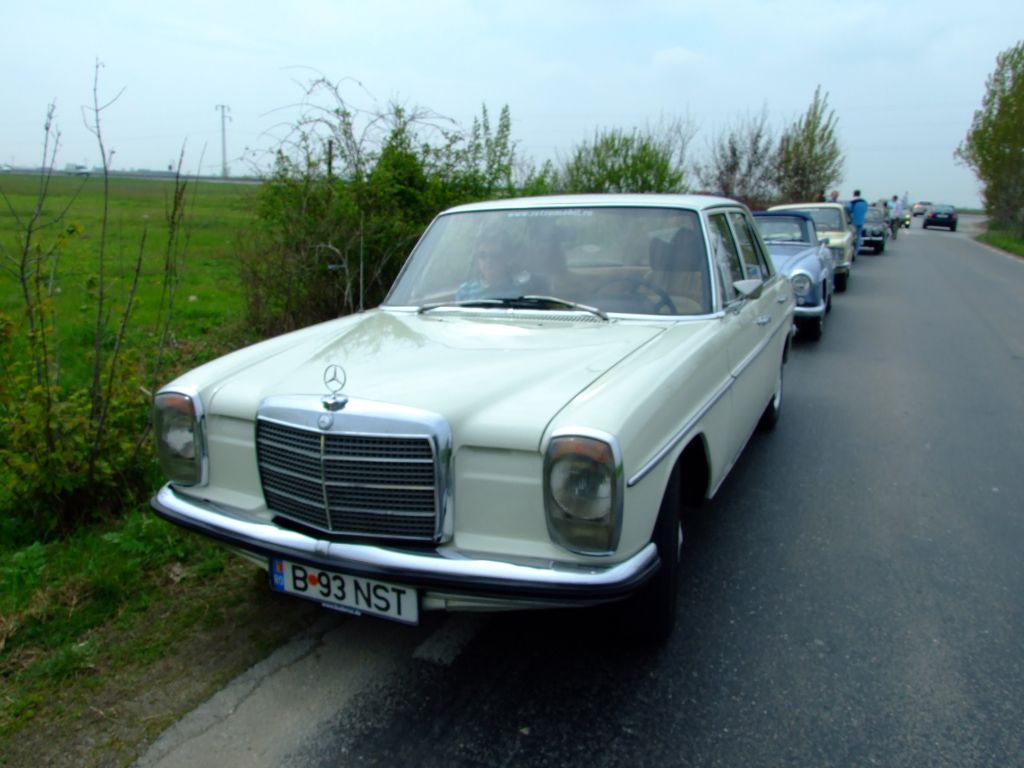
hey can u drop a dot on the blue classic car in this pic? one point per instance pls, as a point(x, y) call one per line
point(798, 252)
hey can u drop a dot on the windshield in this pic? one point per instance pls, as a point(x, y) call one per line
point(626, 260)
point(788, 229)
point(875, 215)
point(825, 219)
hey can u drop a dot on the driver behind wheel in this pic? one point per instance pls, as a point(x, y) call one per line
point(679, 268)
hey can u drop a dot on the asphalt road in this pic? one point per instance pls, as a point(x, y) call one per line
point(854, 595)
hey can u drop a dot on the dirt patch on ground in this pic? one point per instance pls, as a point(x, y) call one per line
point(107, 719)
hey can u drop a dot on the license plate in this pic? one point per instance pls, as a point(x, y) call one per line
point(340, 591)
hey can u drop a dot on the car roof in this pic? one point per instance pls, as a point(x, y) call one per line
point(638, 200)
point(789, 206)
point(783, 214)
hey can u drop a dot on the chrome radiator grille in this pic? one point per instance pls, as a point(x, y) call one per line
point(353, 484)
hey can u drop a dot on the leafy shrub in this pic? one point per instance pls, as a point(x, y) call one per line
point(60, 469)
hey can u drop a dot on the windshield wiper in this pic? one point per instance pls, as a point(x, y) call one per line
point(518, 302)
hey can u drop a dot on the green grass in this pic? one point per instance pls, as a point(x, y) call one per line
point(53, 597)
point(1004, 240)
point(219, 216)
point(108, 637)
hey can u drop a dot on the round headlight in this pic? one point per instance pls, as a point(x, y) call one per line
point(179, 440)
point(801, 285)
point(581, 487)
point(583, 493)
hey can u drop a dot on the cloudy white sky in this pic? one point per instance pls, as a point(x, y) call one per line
point(903, 78)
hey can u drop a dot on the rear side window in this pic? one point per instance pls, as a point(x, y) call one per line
point(755, 266)
point(726, 255)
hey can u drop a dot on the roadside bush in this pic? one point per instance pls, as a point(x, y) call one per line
point(73, 437)
point(350, 194)
point(57, 476)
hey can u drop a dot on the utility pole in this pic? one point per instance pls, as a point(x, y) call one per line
point(224, 109)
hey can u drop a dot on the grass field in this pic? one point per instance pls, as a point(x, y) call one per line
point(218, 217)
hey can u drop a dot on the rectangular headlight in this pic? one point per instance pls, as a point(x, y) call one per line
point(583, 490)
point(177, 426)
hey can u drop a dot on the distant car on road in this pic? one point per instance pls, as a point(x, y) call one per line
point(876, 229)
point(920, 208)
point(940, 216)
point(797, 251)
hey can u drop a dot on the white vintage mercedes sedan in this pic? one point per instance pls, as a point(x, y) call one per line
point(548, 385)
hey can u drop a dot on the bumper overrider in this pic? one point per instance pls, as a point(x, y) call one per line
point(438, 574)
point(814, 310)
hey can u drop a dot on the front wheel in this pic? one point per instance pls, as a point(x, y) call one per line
point(770, 417)
point(650, 614)
point(840, 281)
point(811, 327)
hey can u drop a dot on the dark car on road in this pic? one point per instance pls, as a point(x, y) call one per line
point(940, 216)
point(876, 229)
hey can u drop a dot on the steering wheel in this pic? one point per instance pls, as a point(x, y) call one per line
point(656, 297)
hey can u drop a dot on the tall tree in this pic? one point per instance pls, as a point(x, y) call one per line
point(994, 145)
point(742, 163)
point(649, 160)
point(809, 159)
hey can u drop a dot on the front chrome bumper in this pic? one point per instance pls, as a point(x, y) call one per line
point(445, 578)
point(817, 310)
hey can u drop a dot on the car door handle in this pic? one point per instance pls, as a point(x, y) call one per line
point(781, 300)
point(764, 319)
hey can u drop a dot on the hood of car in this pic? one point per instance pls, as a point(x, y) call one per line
point(790, 256)
point(488, 372)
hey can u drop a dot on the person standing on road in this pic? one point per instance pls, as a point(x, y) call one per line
point(895, 216)
point(858, 208)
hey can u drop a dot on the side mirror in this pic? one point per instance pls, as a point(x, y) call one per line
point(749, 289)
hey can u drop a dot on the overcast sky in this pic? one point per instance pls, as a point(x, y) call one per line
point(903, 78)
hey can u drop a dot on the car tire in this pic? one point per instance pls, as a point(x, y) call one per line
point(770, 417)
point(649, 615)
point(953, 228)
point(811, 327)
point(841, 281)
